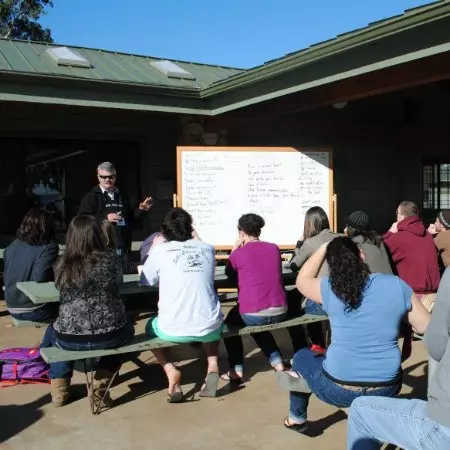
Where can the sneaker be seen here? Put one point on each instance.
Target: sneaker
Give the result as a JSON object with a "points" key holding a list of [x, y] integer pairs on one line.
{"points": [[317, 349]]}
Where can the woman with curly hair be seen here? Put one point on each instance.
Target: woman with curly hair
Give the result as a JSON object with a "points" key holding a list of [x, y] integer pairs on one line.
{"points": [[365, 312]]}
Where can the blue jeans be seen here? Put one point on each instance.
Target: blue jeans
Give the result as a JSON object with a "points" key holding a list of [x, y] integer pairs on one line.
{"points": [[46, 313], [64, 369], [315, 329], [314, 308], [264, 340], [309, 366], [404, 423]]}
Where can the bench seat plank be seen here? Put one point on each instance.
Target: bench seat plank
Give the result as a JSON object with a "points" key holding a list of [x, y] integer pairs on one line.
{"points": [[143, 343]]}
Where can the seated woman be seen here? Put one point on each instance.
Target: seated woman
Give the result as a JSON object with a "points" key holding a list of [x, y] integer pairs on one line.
{"points": [[91, 314], [31, 258], [188, 307], [262, 297], [369, 241], [412, 424], [316, 231], [365, 312]]}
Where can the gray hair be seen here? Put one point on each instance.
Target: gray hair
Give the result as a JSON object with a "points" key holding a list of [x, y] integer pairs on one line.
{"points": [[107, 167]]}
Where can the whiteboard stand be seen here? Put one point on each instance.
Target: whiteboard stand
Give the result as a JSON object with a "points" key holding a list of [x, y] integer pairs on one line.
{"points": [[334, 225]]}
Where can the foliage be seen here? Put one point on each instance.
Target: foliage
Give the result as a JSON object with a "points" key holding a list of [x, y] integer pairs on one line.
{"points": [[19, 19]]}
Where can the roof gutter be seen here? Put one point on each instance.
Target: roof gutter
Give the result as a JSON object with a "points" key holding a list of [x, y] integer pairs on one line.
{"points": [[150, 88]]}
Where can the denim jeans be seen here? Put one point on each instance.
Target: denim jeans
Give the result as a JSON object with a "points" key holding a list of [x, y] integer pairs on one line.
{"points": [[309, 366], [401, 422], [64, 369], [264, 340], [315, 329], [44, 314], [314, 308]]}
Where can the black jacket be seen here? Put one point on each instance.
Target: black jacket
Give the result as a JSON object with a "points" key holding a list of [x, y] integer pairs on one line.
{"points": [[94, 203], [26, 262]]}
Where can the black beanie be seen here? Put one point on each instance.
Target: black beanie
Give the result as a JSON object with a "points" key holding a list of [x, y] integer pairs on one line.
{"points": [[358, 220], [444, 218]]}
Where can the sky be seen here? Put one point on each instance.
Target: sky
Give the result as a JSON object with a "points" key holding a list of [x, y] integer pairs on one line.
{"points": [[235, 33]]}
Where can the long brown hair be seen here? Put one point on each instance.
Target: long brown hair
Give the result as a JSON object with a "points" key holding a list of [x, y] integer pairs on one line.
{"points": [[37, 227], [316, 220], [109, 234], [85, 245]]}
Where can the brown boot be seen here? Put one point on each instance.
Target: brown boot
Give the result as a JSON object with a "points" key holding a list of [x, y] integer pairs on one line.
{"points": [[102, 378], [60, 391]]}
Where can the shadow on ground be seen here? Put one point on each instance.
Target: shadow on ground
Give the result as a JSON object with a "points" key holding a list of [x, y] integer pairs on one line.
{"points": [[16, 418]]}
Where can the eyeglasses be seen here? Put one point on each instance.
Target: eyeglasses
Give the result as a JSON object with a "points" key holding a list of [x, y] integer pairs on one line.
{"points": [[107, 177]]}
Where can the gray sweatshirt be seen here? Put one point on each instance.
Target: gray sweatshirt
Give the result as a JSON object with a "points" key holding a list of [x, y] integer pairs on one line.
{"points": [[437, 342], [376, 257], [310, 246]]}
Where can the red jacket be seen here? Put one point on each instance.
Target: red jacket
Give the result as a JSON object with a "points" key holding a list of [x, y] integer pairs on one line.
{"points": [[415, 255]]}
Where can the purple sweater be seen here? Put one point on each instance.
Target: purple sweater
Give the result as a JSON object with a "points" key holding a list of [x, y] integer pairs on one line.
{"points": [[260, 280]]}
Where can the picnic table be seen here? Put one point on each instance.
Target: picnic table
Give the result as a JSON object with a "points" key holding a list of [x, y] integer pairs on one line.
{"points": [[135, 246], [40, 293]]}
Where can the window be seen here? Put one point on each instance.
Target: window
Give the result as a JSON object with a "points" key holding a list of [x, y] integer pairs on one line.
{"points": [[172, 70], [66, 57], [436, 186]]}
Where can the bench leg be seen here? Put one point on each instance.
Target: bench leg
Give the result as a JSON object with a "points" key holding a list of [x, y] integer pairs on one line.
{"points": [[90, 386], [89, 374], [308, 337]]}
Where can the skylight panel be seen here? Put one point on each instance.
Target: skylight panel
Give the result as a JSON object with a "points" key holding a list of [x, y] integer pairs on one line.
{"points": [[64, 56], [172, 70]]}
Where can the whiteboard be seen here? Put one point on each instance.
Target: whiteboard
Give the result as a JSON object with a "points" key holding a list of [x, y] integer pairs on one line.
{"points": [[216, 185]]}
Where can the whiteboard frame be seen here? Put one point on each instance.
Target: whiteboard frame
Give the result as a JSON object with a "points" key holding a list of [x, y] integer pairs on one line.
{"points": [[332, 210]]}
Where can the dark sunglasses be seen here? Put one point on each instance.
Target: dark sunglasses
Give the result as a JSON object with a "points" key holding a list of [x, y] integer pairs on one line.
{"points": [[107, 177]]}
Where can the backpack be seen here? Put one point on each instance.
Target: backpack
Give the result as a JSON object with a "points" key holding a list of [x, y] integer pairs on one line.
{"points": [[22, 366]]}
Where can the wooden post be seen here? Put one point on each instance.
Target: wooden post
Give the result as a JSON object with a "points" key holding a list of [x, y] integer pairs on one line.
{"points": [[174, 200], [335, 213]]}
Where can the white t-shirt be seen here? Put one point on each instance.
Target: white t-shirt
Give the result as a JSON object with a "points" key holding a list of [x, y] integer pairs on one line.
{"points": [[188, 303]]}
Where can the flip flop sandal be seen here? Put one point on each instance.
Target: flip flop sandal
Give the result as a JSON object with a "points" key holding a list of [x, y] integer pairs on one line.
{"points": [[175, 397], [292, 384], [297, 427], [210, 386]]}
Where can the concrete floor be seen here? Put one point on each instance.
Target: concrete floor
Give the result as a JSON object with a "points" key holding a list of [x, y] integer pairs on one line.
{"points": [[250, 418]]}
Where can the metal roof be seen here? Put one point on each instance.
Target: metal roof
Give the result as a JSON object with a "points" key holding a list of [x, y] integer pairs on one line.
{"points": [[30, 58]]}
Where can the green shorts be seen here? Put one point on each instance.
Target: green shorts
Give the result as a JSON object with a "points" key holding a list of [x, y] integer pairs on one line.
{"points": [[152, 330]]}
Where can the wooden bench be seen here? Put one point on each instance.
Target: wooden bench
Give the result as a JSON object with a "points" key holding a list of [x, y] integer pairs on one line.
{"points": [[143, 343]]}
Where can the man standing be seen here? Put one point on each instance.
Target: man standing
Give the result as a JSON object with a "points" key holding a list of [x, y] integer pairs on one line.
{"points": [[105, 201], [414, 253]]}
